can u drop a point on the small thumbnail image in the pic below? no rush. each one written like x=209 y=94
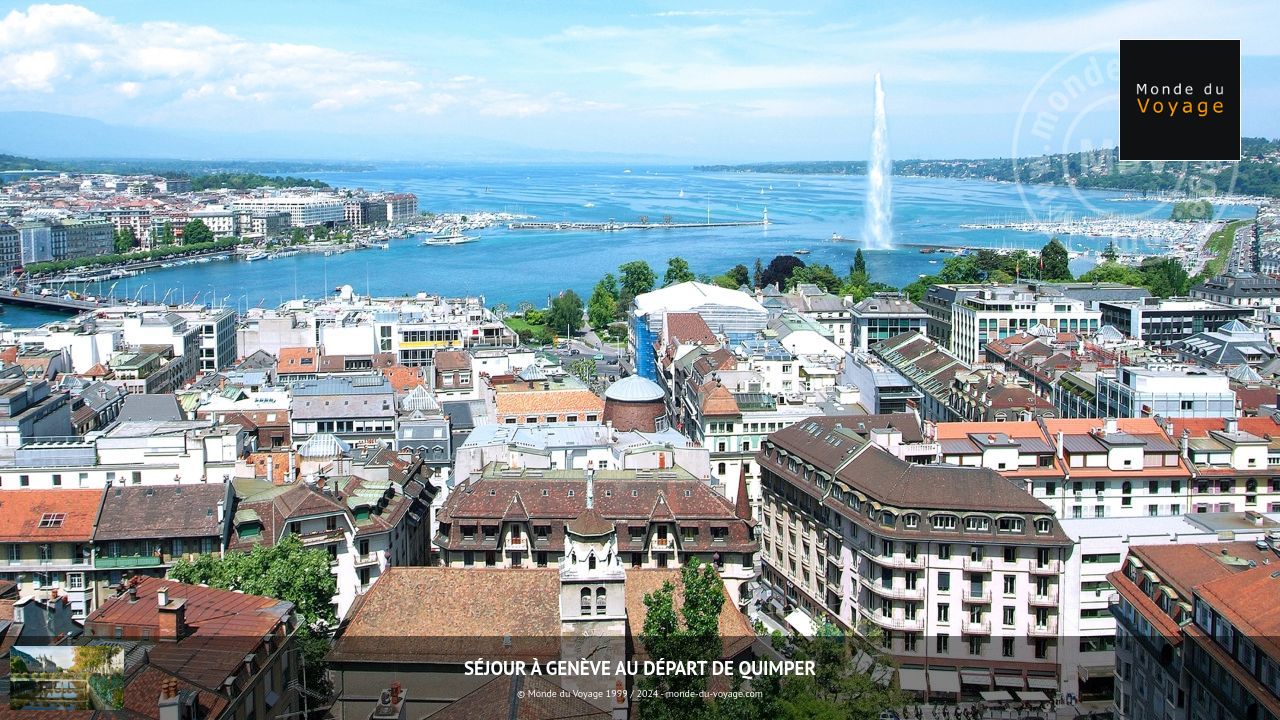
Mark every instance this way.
x=72 y=677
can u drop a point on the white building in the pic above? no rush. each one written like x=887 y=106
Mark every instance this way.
x=304 y=210
x=1164 y=390
x=997 y=312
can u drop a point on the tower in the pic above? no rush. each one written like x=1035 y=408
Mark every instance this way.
x=593 y=605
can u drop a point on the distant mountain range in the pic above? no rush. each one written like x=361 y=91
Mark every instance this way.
x=53 y=136
x=1258 y=170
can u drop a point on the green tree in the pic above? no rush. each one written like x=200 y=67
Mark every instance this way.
x=739 y=274
x=166 y=235
x=321 y=232
x=637 y=278
x=584 y=368
x=697 y=638
x=677 y=272
x=196 y=232
x=125 y=241
x=1054 y=261
x=1111 y=254
x=859 y=262
x=757 y=274
x=565 y=313
x=1165 y=277
x=821 y=275
x=602 y=308
x=851 y=679
x=287 y=571
x=779 y=271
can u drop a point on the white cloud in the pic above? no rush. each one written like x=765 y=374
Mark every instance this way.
x=129 y=89
x=29 y=71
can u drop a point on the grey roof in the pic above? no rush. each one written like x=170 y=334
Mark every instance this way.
x=459 y=412
x=420 y=400
x=99 y=395
x=160 y=511
x=150 y=408
x=634 y=388
x=359 y=385
x=342 y=406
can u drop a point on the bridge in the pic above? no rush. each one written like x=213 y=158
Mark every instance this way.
x=52 y=302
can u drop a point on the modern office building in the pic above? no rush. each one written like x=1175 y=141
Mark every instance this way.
x=304 y=210
x=1164 y=321
x=1260 y=293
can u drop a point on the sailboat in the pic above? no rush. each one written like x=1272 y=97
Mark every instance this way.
x=681 y=192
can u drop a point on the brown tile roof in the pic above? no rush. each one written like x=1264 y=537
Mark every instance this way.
x=687 y=328
x=1200 y=427
x=589 y=523
x=298 y=360
x=1183 y=566
x=224 y=627
x=164 y=511
x=98 y=371
x=402 y=378
x=66 y=515
x=1248 y=600
x=717 y=400
x=279 y=467
x=452 y=360
x=143 y=691
x=422 y=614
x=549 y=402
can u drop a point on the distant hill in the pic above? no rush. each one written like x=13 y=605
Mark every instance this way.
x=16 y=162
x=1259 y=170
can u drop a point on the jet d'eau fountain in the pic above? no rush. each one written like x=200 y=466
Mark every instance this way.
x=877 y=232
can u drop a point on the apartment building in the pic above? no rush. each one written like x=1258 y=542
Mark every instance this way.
x=10 y=248
x=1255 y=291
x=1195 y=629
x=1235 y=463
x=1163 y=321
x=401 y=207
x=30 y=410
x=813 y=303
x=723 y=311
x=957 y=568
x=996 y=312
x=930 y=368
x=304 y=210
x=48 y=544
x=517 y=517
x=209 y=653
x=352 y=408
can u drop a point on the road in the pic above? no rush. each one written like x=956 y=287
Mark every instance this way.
x=608 y=366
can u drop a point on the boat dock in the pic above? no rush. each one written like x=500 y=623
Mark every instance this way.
x=612 y=226
x=52 y=302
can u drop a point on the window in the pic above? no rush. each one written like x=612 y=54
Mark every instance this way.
x=1006 y=646
x=490 y=558
x=1008 y=617
x=1043 y=526
x=941 y=645
x=51 y=520
x=944 y=581
x=944 y=613
x=57 y=480
x=1011 y=525
x=944 y=551
x=1010 y=584
x=24 y=481
x=601 y=602
x=585 y=602
x=1010 y=554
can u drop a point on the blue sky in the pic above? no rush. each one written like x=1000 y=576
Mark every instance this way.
x=688 y=80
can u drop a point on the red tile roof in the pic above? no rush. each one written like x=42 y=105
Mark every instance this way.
x=298 y=360
x=452 y=360
x=403 y=378
x=61 y=515
x=685 y=328
x=1200 y=427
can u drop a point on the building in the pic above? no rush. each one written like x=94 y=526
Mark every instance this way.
x=1229 y=346
x=882 y=316
x=133 y=216
x=48 y=543
x=531 y=397
x=997 y=312
x=421 y=625
x=30 y=410
x=929 y=367
x=828 y=310
x=1164 y=390
x=264 y=223
x=304 y=210
x=143 y=530
x=1195 y=629
x=451 y=374
x=10 y=248
x=1164 y=321
x=401 y=207
x=880 y=388
x=1260 y=293
x=1235 y=463
x=635 y=403
x=724 y=311
x=352 y=408
x=65 y=239
x=366 y=523
x=515 y=517
x=958 y=568
x=222 y=222
x=209 y=653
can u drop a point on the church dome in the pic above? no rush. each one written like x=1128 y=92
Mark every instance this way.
x=634 y=389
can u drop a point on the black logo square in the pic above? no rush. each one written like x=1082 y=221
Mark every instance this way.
x=1179 y=99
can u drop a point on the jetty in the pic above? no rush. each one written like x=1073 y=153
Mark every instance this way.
x=53 y=302
x=614 y=226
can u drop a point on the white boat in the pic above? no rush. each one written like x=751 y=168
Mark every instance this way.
x=802 y=252
x=589 y=205
x=255 y=255
x=452 y=238
x=836 y=237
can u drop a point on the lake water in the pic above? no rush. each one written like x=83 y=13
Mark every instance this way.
x=515 y=265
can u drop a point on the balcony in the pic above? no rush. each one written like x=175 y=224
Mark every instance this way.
x=1048 y=628
x=897 y=623
x=977 y=596
x=324 y=537
x=517 y=543
x=663 y=544
x=128 y=561
x=368 y=559
x=1052 y=567
x=1043 y=600
x=893 y=561
x=972 y=565
x=982 y=627
x=895 y=593
x=50 y=564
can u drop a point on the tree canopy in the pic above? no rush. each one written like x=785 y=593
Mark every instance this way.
x=779 y=271
x=196 y=232
x=1054 y=261
x=565 y=313
x=602 y=308
x=677 y=272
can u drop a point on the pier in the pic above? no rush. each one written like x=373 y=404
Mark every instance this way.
x=612 y=226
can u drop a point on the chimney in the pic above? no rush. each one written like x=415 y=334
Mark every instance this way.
x=1110 y=426
x=591 y=486
x=1232 y=424
x=1058 y=451
x=1185 y=443
x=173 y=620
x=133 y=594
x=222 y=510
x=162 y=595
x=391 y=704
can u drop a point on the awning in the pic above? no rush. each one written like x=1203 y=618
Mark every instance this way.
x=996 y=696
x=911 y=679
x=976 y=677
x=1014 y=681
x=944 y=681
x=1033 y=696
x=801 y=623
x=1044 y=683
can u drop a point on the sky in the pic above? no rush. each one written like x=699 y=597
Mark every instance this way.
x=702 y=81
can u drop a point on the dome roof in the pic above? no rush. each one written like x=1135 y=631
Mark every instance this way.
x=634 y=389
x=323 y=445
